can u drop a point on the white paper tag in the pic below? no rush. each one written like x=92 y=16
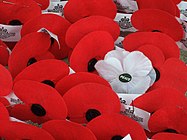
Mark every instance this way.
x=124 y=21
x=128 y=137
x=56 y=7
x=71 y=71
x=13 y=99
x=183 y=9
x=139 y=115
x=127 y=6
x=10 y=33
x=51 y=34
x=127 y=99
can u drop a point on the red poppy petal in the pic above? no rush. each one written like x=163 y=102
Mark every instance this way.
x=23 y=10
x=43 y=3
x=75 y=10
x=157 y=20
x=4 y=113
x=34 y=44
x=50 y=69
x=5 y=82
x=45 y=100
x=153 y=53
x=166 y=44
x=169 y=118
x=173 y=74
x=86 y=25
x=74 y=79
x=91 y=48
x=4 y=101
x=150 y=101
x=176 y=1
x=16 y=130
x=47 y=55
x=155 y=4
x=65 y=130
x=169 y=136
x=4 y=54
x=46 y=21
x=108 y=127
x=85 y=99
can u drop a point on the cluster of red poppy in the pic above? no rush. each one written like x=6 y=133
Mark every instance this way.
x=83 y=105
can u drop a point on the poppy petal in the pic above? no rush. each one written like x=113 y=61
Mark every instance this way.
x=88 y=100
x=169 y=136
x=65 y=130
x=4 y=54
x=43 y=3
x=4 y=113
x=94 y=48
x=86 y=25
x=74 y=79
x=156 y=20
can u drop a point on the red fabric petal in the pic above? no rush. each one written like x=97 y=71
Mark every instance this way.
x=4 y=54
x=30 y=46
x=89 y=47
x=86 y=25
x=31 y=92
x=83 y=97
x=105 y=127
x=169 y=136
x=166 y=44
x=154 y=19
x=43 y=3
x=75 y=10
x=65 y=130
x=5 y=81
x=74 y=79
x=176 y=1
x=165 y=5
x=51 y=69
x=4 y=113
x=16 y=130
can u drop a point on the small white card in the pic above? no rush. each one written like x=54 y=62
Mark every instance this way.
x=127 y=99
x=10 y=33
x=127 y=6
x=183 y=9
x=13 y=99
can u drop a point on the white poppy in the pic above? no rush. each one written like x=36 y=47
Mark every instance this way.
x=127 y=72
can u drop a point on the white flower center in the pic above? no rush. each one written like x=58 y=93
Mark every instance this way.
x=125 y=77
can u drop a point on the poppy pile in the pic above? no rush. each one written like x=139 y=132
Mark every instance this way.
x=124 y=79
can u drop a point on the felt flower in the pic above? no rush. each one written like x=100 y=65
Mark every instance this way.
x=130 y=73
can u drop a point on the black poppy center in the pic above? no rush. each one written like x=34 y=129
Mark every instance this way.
x=91 y=65
x=91 y=114
x=118 y=137
x=156 y=31
x=125 y=77
x=49 y=82
x=31 y=61
x=15 y=22
x=52 y=41
x=38 y=110
x=157 y=74
x=171 y=131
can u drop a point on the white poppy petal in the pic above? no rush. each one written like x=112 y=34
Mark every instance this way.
x=137 y=64
x=115 y=63
x=152 y=75
x=106 y=70
x=118 y=86
x=139 y=85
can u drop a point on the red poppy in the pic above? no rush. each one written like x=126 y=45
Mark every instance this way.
x=173 y=73
x=74 y=79
x=75 y=10
x=4 y=54
x=43 y=3
x=25 y=51
x=169 y=136
x=19 y=11
x=157 y=46
x=17 y=131
x=4 y=101
x=157 y=20
x=45 y=71
x=4 y=113
x=5 y=82
x=44 y=101
x=89 y=100
x=59 y=28
x=89 y=50
x=155 y=4
x=116 y=126
x=86 y=25
x=65 y=130
x=176 y=1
